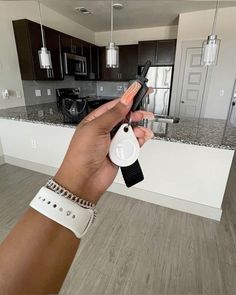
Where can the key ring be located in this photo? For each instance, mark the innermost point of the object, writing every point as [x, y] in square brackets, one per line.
[129, 119]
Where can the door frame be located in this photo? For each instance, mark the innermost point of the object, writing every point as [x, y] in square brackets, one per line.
[184, 46]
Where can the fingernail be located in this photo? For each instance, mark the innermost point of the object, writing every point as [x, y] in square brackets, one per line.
[127, 97]
[148, 133]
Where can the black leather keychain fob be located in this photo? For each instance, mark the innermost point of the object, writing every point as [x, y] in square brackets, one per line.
[133, 174]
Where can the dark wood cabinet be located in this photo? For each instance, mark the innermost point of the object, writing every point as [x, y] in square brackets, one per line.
[128, 68]
[66, 43]
[147, 51]
[28, 43]
[165, 52]
[106, 74]
[128, 64]
[94, 62]
[159, 52]
[53, 44]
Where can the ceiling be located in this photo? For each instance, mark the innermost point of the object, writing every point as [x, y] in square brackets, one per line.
[135, 14]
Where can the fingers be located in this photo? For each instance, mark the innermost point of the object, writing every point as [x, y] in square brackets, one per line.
[143, 134]
[140, 115]
[108, 120]
[101, 110]
[106, 107]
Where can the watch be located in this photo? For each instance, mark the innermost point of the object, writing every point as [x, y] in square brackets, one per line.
[63, 211]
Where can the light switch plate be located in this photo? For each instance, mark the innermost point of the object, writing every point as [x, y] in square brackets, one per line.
[49, 92]
[101, 88]
[222, 92]
[38, 92]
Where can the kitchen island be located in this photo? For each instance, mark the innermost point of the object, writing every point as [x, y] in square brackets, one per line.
[186, 165]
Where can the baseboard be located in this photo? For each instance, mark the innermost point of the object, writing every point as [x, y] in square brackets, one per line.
[143, 195]
[2, 160]
[167, 201]
[41, 168]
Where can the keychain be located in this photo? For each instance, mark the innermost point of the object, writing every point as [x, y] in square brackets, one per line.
[124, 148]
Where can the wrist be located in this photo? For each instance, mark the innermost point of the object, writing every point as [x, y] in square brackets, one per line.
[72, 182]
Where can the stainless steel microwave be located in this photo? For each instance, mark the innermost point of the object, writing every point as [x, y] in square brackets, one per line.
[75, 64]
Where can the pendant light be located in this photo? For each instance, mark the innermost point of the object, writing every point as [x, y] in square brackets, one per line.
[210, 47]
[112, 51]
[44, 54]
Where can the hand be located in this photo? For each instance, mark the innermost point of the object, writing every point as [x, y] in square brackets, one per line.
[87, 170]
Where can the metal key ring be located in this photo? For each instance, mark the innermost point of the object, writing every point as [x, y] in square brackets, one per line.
[129, 119]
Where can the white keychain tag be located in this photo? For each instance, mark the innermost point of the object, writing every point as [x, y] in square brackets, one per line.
[124, 148]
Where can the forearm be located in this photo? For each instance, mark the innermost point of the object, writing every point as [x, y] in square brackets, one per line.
[36, 256]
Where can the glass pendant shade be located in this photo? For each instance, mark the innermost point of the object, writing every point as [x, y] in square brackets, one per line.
[210, 50]
[45, 58]
[112, 56]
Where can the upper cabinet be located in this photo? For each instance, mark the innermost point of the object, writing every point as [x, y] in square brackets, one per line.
[28, 43]
[90, 62]
[147, 51]
[160, 52]
[128, 64]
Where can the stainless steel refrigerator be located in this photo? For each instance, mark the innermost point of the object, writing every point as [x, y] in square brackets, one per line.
[159, 78]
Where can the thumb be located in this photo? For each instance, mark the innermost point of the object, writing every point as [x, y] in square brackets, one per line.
[112, 117]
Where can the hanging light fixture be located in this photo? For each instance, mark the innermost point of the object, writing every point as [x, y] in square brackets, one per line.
[44, 54]
[210, 47]
[112, 51]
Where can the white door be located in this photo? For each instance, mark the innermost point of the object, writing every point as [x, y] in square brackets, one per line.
[193, 83]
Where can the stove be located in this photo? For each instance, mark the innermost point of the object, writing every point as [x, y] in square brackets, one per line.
[73, 107]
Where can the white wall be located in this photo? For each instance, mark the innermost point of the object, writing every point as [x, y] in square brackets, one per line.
[186, 177]
[197, 26]
[132, 36]
[1, 154]
[9, 68]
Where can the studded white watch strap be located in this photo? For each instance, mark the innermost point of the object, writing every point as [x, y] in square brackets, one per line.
[63, 211]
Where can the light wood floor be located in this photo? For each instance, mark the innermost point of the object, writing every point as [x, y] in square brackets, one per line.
[136, 247]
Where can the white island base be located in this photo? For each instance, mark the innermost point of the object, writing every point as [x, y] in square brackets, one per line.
[185, 177]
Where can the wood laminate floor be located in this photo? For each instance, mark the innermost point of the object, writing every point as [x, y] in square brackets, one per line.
[139, 248]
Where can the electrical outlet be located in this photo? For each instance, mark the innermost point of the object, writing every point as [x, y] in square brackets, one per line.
[5, 94]
[38, 92]
[33, 143]
[40, 113]
[119, 88]
[49, 92]
[222, 92]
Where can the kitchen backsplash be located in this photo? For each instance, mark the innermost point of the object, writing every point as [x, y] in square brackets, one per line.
[47, 89]
[112, 89]
[31, 87]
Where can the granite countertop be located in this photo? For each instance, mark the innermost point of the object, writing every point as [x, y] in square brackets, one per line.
[205, 132]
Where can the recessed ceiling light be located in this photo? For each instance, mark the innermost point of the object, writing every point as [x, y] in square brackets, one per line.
[118, 5]
[83, 10]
